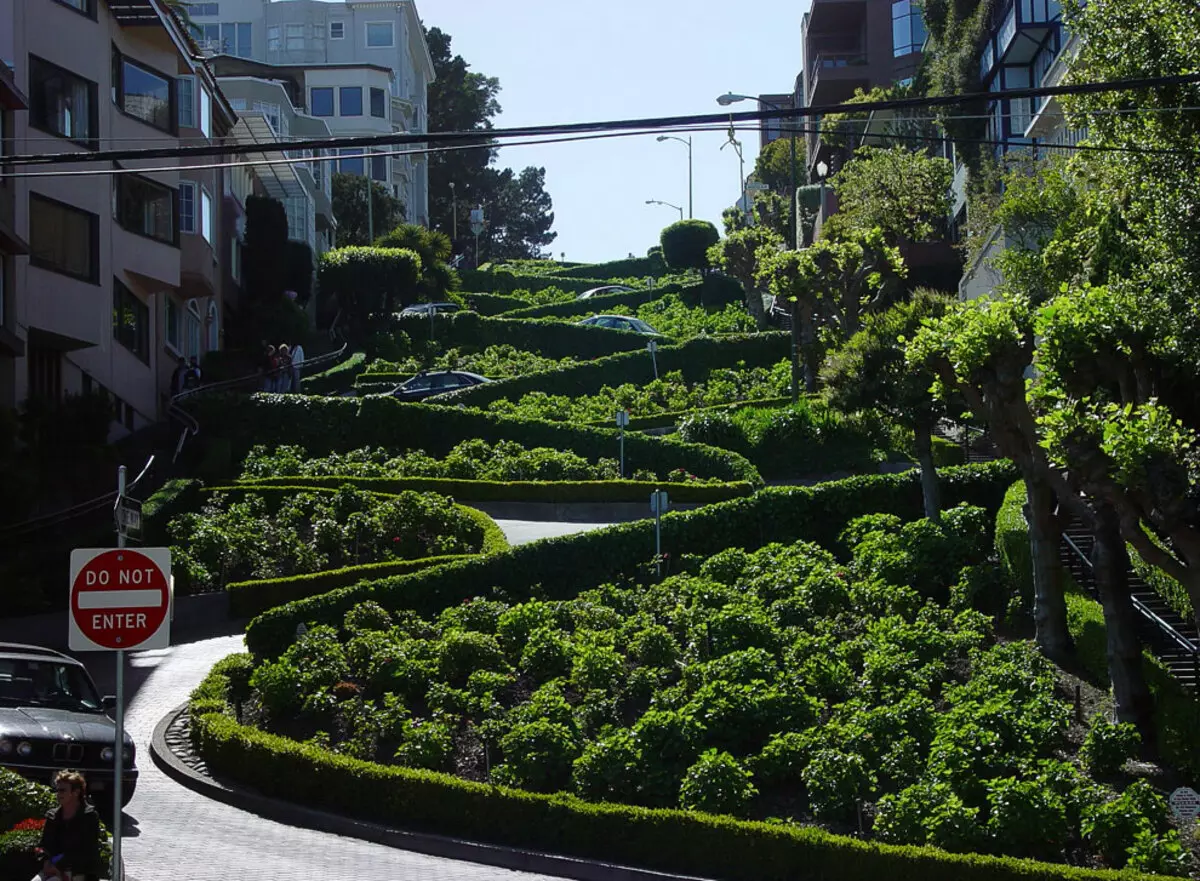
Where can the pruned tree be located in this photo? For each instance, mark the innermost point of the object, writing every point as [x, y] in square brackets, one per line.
[737, 255]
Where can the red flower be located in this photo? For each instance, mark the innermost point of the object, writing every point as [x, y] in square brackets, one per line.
[395, 539]
[31, 825]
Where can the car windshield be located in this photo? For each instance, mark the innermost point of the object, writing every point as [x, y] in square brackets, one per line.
[46, 683]
[641, 326]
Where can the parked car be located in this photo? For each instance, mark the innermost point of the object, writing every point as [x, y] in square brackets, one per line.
[605, 289]
[428, 383]
[52, 718]
[621, 322]
[423, 309]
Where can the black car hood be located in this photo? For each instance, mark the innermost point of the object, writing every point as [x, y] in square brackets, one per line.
[49, 723]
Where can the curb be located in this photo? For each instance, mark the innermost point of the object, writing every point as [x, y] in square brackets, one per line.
[417, 842]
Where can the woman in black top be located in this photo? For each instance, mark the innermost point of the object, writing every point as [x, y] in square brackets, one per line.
[70, 847]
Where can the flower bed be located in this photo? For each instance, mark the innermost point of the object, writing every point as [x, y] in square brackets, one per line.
[494, 362]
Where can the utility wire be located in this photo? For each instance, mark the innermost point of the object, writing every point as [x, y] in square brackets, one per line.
[422, 151]
[666, 123]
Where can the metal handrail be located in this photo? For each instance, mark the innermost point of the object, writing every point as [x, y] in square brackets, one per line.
[319, 361]
[1170, 632]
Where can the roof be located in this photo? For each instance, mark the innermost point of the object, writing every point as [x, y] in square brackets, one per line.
[278, 177]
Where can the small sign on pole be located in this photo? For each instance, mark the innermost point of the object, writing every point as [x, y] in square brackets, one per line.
[652, 348]
[1185, 804]
[754, 186]
[128, 513]
[622, 421]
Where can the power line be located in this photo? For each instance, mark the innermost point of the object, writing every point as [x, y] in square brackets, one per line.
[484, 139]
[422, 151]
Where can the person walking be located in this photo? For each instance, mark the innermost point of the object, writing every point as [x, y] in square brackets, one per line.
[70, 845]
[192, 380]
[285, 370]
[271, 373]
[179, 376]
[297, 364]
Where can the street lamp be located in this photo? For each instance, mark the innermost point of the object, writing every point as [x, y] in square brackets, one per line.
[678, 208]
[730, 98]
[454, 210]
[688, 143]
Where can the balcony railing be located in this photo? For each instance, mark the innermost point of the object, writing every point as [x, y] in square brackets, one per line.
[830, 61]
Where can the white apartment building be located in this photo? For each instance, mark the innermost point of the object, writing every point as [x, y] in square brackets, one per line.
[364, 67]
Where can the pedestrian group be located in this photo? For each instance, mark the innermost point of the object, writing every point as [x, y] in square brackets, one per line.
[281, 367]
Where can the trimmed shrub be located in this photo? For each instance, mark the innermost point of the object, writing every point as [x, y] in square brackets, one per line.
[562, 492]
[816, 513]
[1108, 746]
[630, 267]
[551, 339]
[339, 378]
[494, 304]
[173, 498]
[324, 425]
[694, 360]
[685, 244]
[370, 281]
[593, 305]
[504, 281]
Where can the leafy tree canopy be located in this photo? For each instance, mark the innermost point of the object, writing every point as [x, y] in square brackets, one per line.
[902, 192]
[350, 209]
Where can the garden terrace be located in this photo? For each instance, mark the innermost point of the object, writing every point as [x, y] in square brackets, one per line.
[327, 425]
[735, 687]
[694, 360]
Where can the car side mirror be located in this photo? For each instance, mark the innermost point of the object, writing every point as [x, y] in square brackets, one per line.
[109, 703]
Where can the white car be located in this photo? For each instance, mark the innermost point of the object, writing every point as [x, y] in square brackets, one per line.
[606, 289]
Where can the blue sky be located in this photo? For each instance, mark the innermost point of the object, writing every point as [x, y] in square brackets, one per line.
[564, 61]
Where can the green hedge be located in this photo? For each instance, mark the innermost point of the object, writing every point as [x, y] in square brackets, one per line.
[174, 498]
[600, 305]
[494, 304]
[551, 339]
[555, 491]
[391, 380]
[338, 378]
[630, 267]
[1177, 713]
[664, 420]
[689, 843]
[561, 567]
[325, 425]
[502, 281]
[250, 598]
[695, 359]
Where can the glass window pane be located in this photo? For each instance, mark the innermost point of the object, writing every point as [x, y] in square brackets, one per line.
[379, 34]
[245, 48]
[273, 38]
[351, 100]
[378, 103]
[337, 30]
[352, 162]
[187, 207]
[146, 95]
[62, 239]
[60, 102]
[322, 101]
[186, 90]
[379, 168]
[294, 33]
[146, 208]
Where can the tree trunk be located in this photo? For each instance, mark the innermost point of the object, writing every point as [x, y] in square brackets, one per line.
[808, 338]
[1049, 606]
[929, 478]
[1110, 562]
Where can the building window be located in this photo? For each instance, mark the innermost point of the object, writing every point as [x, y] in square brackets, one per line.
[227, 38]
[294, 33]
[205, 113]
[380, 35]
[908, 28]
[64, 239]
[206, 215]
[321, 101]
[379, 169]
[45, 372]
[171, 321]
[187, 206]
[351, 100]
[235, 260]
[185, 93]
[143, 93]
[378, 103]
[146, 208]
[204, 9]
[337, 30]
[131, 321]
[273, 41]
[84, 7]
[62, 103]
[352, 162]
[191, 329]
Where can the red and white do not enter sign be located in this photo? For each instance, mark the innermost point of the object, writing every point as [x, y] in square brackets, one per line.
[120, 599]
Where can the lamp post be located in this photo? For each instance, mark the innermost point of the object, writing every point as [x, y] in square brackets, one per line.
[678, 208]
[454, 210]
[688, 143]
[730, 98]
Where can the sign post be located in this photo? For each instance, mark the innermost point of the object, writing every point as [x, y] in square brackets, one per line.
[658, 505]
[477, 224]
[120, 599]
[652, 348]
[622, 421]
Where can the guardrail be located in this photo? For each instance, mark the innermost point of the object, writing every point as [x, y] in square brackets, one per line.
[1177, 640]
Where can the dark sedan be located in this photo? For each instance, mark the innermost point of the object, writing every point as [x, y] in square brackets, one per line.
[52, 718]
[436, 382]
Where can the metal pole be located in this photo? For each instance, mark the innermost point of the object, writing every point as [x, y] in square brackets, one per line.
[119, 721]
[658, 534]
[689, 143]
[370, 209]
[622, 434]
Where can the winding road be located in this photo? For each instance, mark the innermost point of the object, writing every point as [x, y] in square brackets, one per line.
[172, 832]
